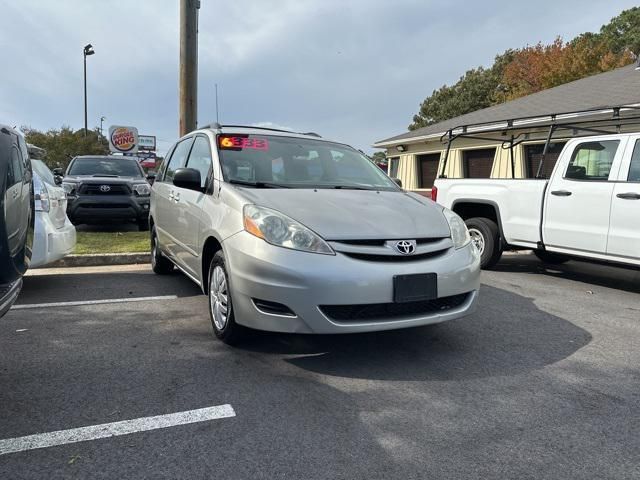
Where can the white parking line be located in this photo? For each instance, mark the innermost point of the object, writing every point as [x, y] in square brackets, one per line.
[93, 302]
[115, 429]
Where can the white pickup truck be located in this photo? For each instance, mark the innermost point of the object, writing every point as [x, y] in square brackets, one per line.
[589, 208]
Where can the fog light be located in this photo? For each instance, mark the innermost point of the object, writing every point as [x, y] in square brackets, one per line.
[145, 206]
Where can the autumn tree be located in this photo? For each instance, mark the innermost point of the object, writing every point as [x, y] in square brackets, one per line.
[534, 68]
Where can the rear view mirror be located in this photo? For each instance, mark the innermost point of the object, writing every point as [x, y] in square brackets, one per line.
[188, 178]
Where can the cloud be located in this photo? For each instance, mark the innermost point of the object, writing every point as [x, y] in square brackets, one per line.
[352, 71]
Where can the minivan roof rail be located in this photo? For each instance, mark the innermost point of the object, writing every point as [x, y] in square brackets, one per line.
[217, 126]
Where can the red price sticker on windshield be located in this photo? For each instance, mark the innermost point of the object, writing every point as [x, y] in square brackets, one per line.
[239, 143]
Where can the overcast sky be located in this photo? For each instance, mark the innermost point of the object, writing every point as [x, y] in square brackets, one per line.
[354, 71]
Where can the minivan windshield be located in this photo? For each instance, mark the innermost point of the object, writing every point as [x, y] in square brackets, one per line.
[97, 166]
[271, 161]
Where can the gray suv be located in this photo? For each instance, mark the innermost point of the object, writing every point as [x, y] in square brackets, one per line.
[289, 232]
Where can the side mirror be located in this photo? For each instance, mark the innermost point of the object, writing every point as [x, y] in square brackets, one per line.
[398, 181]
[57, 179]
[58, 171]
[188, 178]
[151, 177]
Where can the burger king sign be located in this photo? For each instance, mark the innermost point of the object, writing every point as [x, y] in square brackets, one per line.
[123, 139]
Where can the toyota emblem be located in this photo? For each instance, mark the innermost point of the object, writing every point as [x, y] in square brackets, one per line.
[405, 247]
[105, 188]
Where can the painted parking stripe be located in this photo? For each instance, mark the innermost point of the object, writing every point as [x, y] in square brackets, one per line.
[105, 430]
[93, 302]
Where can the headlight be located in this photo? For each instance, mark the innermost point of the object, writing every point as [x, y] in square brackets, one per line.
[142, 189]
[69, 188]
[282, 231]
[459, 233]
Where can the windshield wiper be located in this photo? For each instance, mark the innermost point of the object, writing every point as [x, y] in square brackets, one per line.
[257, 184]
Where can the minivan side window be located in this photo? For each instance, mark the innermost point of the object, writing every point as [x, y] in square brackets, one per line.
[16, 167]
[178, 158]
[634, 169]
[200, 158]
[592, 161]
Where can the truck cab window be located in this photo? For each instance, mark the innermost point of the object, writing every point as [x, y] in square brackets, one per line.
[634, 169]
[592, 161]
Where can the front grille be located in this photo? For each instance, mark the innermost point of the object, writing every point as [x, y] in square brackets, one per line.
[391, 311]
[380, 243]
[393, 258]
[114, 189]
[106, 205]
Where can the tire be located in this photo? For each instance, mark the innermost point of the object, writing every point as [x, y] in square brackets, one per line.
[551, 257]
[159, 263]
[221, 309]
[485, 234]
[143, 224]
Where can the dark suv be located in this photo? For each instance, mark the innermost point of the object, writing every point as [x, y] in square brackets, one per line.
[107, 189]
[16, 215]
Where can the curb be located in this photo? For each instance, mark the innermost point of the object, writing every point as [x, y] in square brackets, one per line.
[101, 259]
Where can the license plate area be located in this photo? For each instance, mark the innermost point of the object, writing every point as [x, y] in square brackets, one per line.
[415, 287]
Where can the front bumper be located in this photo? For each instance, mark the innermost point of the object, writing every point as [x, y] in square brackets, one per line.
[100, 209]
[8, 295]
[304, 282]
[51, 243]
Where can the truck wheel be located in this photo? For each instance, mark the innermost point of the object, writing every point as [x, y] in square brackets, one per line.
[486, 237]
[220, 305]
[551, 257]
[159, 263]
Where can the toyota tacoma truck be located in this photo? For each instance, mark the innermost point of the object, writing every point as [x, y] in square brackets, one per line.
[107, 189]
[589, 207]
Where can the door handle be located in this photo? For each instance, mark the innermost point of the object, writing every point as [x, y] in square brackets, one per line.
[629, 196]
[15, 194]
[561, 193]
[176, 197]
[171, 196]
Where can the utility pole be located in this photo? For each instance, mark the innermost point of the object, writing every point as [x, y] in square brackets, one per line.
[188, 88]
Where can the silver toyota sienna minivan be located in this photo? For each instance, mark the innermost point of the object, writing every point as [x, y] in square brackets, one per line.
[289, 232]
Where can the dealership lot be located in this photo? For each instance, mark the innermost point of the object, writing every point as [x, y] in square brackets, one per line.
[543, 381]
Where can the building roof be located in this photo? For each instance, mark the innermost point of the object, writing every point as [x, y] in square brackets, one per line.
[614, 88]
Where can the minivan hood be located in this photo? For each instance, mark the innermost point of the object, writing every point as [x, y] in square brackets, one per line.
[355, 214]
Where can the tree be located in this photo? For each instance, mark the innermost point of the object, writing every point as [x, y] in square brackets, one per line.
[623, 32]
[531, 69]
[539, 67]
[478, 88]
[64, 144]
[379, 157]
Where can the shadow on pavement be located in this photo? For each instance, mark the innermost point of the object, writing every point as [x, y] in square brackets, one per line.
[603, 275]
[69, 287]
[508, 335]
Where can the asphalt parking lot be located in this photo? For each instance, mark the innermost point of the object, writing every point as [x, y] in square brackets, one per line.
[542, 382]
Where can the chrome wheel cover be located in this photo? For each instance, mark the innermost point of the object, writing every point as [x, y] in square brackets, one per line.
[219, 298]
[478, 239]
